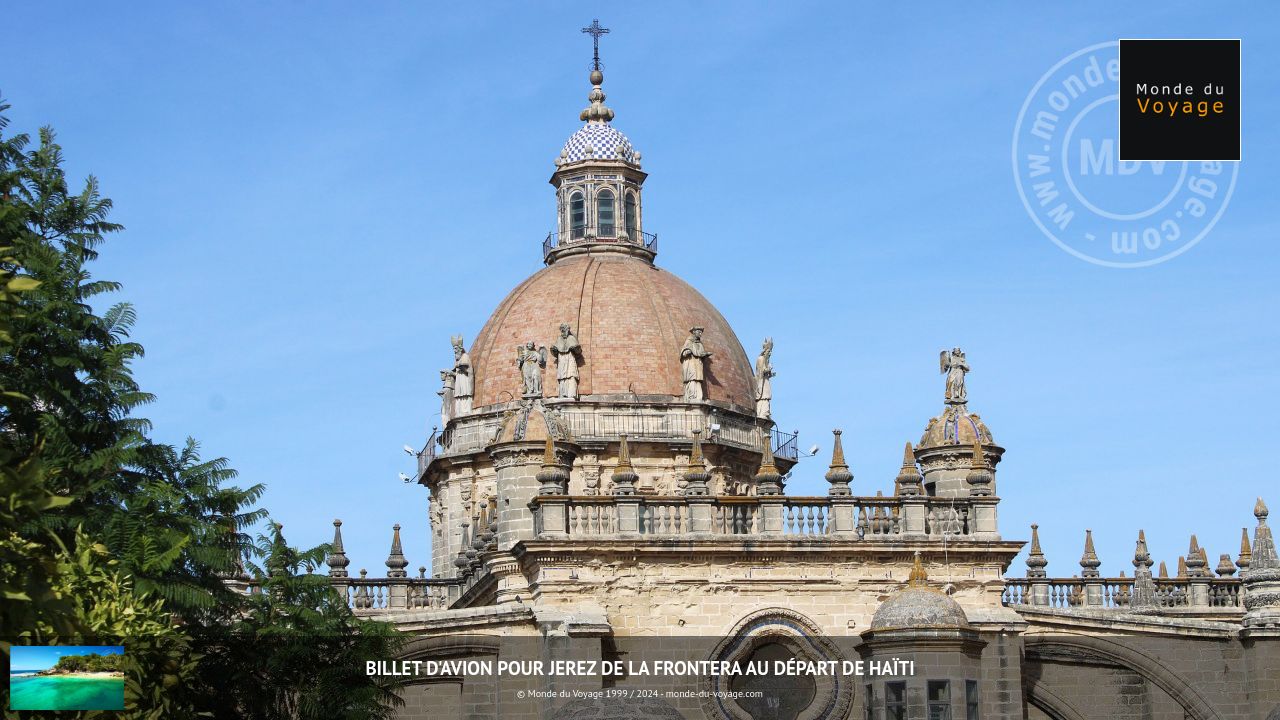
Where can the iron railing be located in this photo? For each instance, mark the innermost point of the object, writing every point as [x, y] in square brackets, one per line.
[616, 234]
[786, 445]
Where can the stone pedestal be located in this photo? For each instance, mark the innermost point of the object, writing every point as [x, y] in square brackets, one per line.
[770, 522]
[914, 510]
[842, 509]
[700, 513]
[628, 508]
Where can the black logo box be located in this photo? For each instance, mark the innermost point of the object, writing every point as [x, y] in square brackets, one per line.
[1187, 69]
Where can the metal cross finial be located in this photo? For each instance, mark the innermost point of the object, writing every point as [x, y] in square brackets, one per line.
[595, 31]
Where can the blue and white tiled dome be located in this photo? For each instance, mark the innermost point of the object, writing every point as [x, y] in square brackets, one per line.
[598, 141]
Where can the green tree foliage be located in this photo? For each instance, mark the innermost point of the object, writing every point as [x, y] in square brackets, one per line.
[93, 662]
[108, 535]
[312, 648]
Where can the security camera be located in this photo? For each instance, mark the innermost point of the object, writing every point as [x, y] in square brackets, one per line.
[405, 478]
[814, 450]
[410, 450]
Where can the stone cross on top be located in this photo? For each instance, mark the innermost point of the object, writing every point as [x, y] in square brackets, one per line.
[595, 31]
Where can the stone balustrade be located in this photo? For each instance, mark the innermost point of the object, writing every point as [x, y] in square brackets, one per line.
[862, 518]
[369, 595]
[1117, 593]
[476, 431]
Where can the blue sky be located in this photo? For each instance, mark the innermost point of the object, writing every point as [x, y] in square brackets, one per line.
[35, 657]
[318, 195]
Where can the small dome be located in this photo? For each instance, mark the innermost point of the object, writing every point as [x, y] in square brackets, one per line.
[598, 141]
[919, 607]
[526, 423]
[955, 426]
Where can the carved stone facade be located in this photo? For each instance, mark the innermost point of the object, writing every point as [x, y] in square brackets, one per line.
[624, 496]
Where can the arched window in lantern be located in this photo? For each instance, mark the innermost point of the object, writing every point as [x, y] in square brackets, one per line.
[632, 216]
[605, 215]
[577, 216]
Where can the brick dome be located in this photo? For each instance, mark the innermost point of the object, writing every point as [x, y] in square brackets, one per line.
[631, 319]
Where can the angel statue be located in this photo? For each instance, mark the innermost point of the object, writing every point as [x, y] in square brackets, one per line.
[463, 385]
[764, 380]
[952, 363]
[531, 361]
[566, 350]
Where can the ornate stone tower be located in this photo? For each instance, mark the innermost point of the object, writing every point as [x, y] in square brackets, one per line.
[951, 441]
[598, 344]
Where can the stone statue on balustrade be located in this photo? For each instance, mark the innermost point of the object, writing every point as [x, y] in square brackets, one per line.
[764, 380]
[531, 360]
[693, 366]
[566, 350]
[463, 382]
[447, 379]
[953, 364]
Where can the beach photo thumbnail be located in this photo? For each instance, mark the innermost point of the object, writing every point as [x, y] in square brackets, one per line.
[66, 677]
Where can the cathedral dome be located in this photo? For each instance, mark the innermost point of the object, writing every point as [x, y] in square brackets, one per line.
[598, 141]
[631, 318]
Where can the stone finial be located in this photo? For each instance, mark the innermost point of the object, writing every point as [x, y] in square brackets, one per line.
[838, 473]
[1196, 563]
[461, 561]
[337, 560]
[979, 477]
[1182, 567]
[1036, 561]
[1225, 568]
[1164, 571]
[1264, 546]
[768, 479]
[1262, 581]
[1143, 596]
[1141, 557]
[395, 561]
[1089, 561]
[597, 111]
[1246, 553]
[695, 471]
[909, 482]
[552, 479]
[918, 577]
[624, 476]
